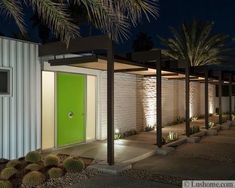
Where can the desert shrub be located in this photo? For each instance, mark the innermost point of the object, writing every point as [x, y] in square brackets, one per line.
[34, 178]
[33, 167]
[55, 172]
[33, 157]
[148, 128]
[211, 124]
[8, 172]
[194, 129]
[71, 164]
[51, 160]
[5, 184]
[171, 137]
[13, 163]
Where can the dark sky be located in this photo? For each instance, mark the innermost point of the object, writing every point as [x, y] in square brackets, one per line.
[172, 13]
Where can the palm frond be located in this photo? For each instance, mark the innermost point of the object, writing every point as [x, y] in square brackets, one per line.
[54, 15]
[13, 9]
[196, 45]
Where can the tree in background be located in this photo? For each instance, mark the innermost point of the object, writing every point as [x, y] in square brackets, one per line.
[143, 42]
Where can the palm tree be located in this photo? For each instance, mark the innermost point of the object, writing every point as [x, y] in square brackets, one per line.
[196, 45]
[143, 42]
[113, 17]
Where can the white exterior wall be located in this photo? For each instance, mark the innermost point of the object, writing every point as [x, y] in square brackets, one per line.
[173, 100]
[20, 127]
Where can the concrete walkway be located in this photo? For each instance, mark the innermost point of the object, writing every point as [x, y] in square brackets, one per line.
[125, 151]
[212, 158]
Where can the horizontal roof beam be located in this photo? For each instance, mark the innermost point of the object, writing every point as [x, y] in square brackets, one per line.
[73, 60]
[131, 70]
[75, 46]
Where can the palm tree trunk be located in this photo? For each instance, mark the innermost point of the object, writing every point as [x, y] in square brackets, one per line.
[187, 99]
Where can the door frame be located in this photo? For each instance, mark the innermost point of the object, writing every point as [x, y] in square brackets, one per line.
[56, 111]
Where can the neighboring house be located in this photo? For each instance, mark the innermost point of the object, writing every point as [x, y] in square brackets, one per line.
[40, 105]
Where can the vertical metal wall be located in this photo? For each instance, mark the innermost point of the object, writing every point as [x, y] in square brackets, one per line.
[20, 114]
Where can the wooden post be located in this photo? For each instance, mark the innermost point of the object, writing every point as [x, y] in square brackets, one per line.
[187, 99]
[159, 101]
[220, 98]
[230, 96]
[206, 100]
[110, 105]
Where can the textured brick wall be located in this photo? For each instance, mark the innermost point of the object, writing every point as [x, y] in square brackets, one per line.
[124, 102]
[135, 101]
[173, 100]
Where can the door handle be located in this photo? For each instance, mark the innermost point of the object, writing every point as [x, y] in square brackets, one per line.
[70, 115]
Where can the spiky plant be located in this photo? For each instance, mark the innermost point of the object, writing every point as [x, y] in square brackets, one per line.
[196, 44]
[113, 17]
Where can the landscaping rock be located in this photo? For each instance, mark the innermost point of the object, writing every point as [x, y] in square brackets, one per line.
[193, 139]
[177, 142]
[164, 150]
[229, 123]
[212, 132]
[225, 126]
[200, 134]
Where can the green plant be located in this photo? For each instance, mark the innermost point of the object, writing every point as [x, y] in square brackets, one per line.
[51, 160]
[194, 118]
[171, 137]
[55, 172]
[13, 163]
[8, 172]
[179, 119]
[33, 157]
[211, 124]
[71, 164]
[194, 129]
[33, 178]
[5, 184]
[33, 167]
[148, 128]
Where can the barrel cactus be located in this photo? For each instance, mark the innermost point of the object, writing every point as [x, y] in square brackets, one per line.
[13, 163]
[75, 165]
[33, 157]
[5, 184]
[55, 172]
[33, 167]
[8, 172]
[51, 160]
[33, 179]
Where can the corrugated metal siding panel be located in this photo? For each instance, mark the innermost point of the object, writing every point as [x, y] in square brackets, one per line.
[20, 122]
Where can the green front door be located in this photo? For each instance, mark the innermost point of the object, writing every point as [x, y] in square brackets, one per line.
[70, 108]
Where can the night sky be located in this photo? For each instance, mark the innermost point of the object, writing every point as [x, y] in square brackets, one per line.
[172, 13]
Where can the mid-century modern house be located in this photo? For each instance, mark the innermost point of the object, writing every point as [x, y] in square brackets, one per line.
[50, 99]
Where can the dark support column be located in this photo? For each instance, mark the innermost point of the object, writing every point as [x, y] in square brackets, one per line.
[206, 100]
[110, 105]
[230, 96]
[220, 97]
[159, 101]
[187, 90]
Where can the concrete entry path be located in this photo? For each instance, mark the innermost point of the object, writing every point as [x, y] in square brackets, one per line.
[125, 151]
[212, 158]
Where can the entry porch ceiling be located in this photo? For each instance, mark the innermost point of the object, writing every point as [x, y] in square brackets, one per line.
[122, 66]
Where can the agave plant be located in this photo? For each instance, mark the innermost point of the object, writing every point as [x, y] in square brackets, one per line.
[110, 16]
[197, 45]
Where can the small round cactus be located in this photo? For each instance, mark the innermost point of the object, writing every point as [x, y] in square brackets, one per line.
[33, 179]
[74, 165]
[13, 163]
[8, 172]
[55, 172]
[51, 160]
[5, 184]
[33, 167]
[33, 157]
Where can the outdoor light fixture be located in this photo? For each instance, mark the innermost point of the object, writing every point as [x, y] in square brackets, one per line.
[117, 131]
